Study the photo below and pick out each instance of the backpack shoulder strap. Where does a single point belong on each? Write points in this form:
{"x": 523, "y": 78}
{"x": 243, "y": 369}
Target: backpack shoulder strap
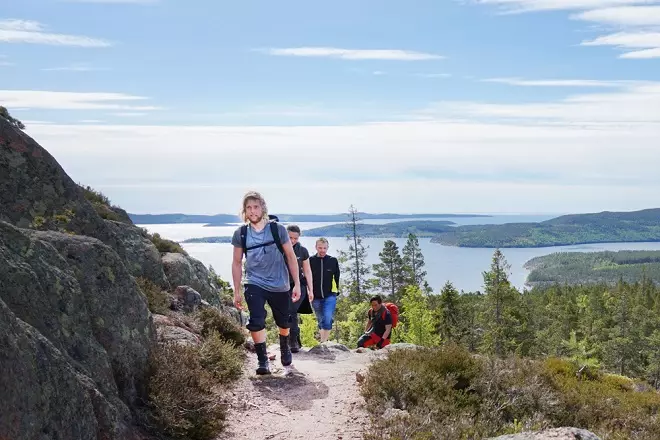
{"x": 244, "y": 239}
{"x": 276, "y": 236}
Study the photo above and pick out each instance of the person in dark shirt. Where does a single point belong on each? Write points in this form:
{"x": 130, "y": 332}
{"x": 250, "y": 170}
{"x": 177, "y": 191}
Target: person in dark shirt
{"x": 306, "y": 287}
{"x": 378, "y": 327}
{"x": 325, "y": 270}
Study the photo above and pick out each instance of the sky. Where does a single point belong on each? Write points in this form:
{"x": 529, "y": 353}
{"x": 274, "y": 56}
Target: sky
{"x": 466, "y": 106}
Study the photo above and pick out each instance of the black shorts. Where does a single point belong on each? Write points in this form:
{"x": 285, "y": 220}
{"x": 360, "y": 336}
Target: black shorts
{"x": 279, "y": 302}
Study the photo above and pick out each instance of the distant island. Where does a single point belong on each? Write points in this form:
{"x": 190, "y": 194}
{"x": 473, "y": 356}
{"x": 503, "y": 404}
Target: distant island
{"x": 223, "y": 240}
{"x": 593, "y": 267}
{"x": 603, "y": 227}
{"x": 421, "y": 228}
{"x": 225, "y": 219}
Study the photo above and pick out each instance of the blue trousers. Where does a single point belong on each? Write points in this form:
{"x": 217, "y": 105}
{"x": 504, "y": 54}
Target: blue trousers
{"x": 324, "y": 309}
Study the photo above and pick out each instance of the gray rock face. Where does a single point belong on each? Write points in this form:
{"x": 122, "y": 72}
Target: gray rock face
{"x": 83, "y": 331}
{"x": 135, "y": 248}
{"x": 168, "y": 331}
{"x": 182, "y": 270}
{"x": 552, "y": 434}
{"x": 33, "y": 187}
{"x": 187, "y": 298}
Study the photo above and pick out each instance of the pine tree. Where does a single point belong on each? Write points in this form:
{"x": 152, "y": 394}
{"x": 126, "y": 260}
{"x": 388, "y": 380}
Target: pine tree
{"x": 390, "y": 272}
{"x": 355, "y": 260}
{"x": 500, "y": 320}
{"x": 414, "y": 262}
{"x": 448, "y": 304}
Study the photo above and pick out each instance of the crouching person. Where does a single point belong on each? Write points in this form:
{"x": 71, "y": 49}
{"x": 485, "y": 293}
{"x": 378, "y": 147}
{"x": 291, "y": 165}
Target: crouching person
{"x": 378, "y": 327}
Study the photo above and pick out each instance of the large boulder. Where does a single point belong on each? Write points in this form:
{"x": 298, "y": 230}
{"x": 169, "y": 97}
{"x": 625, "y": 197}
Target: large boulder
{"x": 183, "y": 270}
{"x": 135, "y": 248}
{"x": 75, "y": 292}
{"x": 35, "y": 192}
{"x": 552, "y": 434}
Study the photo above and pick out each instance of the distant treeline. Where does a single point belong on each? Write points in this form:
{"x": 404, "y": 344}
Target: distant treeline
{"x": 223, "y": 219}
{"x": 605, "y": 227}
{"x": 594, "y": 267}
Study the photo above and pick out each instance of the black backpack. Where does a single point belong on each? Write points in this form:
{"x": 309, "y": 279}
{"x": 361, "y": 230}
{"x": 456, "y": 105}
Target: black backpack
{"x": 273, "y": 229}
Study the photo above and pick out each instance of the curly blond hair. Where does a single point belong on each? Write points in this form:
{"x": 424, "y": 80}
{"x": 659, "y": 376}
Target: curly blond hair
{"x": 253, "y": 195}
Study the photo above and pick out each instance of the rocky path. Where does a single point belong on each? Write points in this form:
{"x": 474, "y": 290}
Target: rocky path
{"x": 320, "y": 401}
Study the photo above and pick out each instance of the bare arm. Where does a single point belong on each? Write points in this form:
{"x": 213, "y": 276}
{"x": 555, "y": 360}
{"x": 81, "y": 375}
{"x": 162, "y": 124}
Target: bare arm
{"x": 388, "y": 329}
{"x": 237, "y": 275}
{"x": 307, "y": 270}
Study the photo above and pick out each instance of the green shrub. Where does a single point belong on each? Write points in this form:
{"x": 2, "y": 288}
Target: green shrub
{"x": 163, "y": 245}
{"x": 158, "y": 300}
{"x": 222, "y": 358}
{"x": 100, "y": 202}
{"x": 180, "y": 402}
{"x": 213, "y": 320}
{"x": 447, "y": 393}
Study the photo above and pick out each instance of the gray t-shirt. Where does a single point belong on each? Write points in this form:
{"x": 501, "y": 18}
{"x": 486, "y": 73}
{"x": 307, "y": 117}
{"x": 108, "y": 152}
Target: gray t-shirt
{"x": 266, "y": 266}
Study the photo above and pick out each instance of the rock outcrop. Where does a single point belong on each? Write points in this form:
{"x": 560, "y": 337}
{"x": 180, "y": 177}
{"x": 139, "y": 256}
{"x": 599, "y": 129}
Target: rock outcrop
{"x": 34, "y": 188}
{"x": 78, "y": 333}
{"x": 182, "y": 270}
{"x": 552, "y": 434}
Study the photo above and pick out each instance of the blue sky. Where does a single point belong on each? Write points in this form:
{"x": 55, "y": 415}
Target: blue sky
{"x": 467, "y": 106}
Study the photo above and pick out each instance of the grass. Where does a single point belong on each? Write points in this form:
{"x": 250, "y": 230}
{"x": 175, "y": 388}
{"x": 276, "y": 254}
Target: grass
{"x": 447, "y": 393}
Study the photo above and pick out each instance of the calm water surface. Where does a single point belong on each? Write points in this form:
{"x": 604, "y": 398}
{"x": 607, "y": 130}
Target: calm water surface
{"x": 462, "y": 266}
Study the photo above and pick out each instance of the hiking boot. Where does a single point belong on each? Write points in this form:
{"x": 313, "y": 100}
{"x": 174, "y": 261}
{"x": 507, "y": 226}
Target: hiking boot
{"x": 293, "y": 343}
{"x": 285, "y": 351}
{"x": 262, "y": 357}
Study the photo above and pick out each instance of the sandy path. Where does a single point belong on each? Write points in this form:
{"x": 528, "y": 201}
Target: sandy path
{"x": 321, "y": 401}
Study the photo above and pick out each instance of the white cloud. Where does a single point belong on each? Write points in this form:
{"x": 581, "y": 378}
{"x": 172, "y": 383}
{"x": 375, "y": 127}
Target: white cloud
{"x": 32, "y": 32}
{"x": 90, "y": 121}
{"x": 129, "y": 114}
{"x": 634, "y": 107}
{"x": 623, "y": 16}
{"x": 552, "y": 5}
{"x": 36, "y": 99}
{"x": 354, "y": 54}
{"x": 648, "y": 42}
{"x": 557, "y": 82}
{"x": 587, "y": 152}
{"x": 638, "y": 21}
{"x": 76, "y": 67}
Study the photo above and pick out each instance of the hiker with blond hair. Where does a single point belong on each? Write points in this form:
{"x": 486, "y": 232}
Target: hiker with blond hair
{"x": 269, "y": 261}
{"x": 325, "y": 273}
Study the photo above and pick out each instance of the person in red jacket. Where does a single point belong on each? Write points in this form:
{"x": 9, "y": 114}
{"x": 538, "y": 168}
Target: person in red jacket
{"x": 378, "y": 327}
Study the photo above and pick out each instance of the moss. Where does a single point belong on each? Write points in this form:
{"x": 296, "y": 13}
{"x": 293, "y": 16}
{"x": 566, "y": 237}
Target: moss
{"x": 163, "y": 245}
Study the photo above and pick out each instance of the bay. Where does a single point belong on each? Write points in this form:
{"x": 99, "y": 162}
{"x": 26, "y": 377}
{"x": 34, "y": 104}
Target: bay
{"x": 462, "y": 266}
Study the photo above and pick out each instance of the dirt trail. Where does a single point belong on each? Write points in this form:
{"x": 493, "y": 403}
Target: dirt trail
{"x": 320, "y": 401}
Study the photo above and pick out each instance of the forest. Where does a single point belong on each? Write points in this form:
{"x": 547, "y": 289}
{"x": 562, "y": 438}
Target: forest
{"x": 593, "y": 267}
{"x": 604, "y": 227}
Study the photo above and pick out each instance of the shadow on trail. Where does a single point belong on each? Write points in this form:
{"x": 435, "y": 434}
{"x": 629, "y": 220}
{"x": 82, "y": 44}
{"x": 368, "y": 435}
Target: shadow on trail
{"x": 295, "y": 392}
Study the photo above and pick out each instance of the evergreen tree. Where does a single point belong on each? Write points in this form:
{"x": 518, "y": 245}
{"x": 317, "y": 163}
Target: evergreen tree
{"x": 355, "y": 260}
{"x": 418, "y": 320}
{"x": 414, "y": 262}
{"x": 448, "y": 304}
{"x": 390, "y": 272}
{"x": 500, "y": 320}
